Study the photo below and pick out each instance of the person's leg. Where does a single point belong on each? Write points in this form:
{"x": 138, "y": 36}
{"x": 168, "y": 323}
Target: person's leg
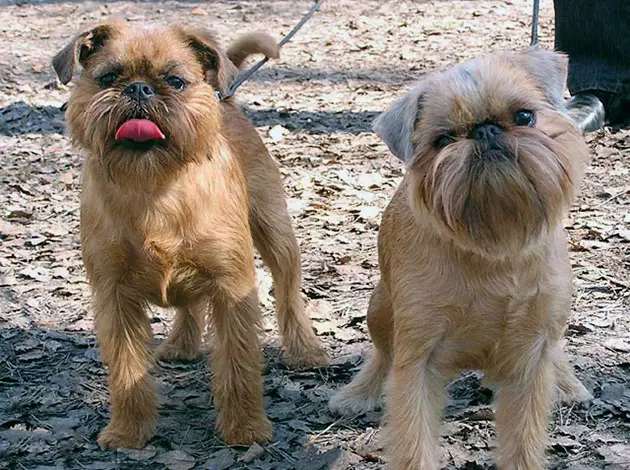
{"x": 594, "y": 35}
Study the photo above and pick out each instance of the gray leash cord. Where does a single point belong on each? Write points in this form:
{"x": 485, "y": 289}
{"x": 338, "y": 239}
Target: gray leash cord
{"x": 535, "y": 13}
{"x": 240, "y": 78}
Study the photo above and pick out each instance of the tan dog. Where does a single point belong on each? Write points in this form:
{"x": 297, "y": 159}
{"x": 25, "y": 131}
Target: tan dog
{"x": 178, "y": 189}
{"x": 474, "y": 266}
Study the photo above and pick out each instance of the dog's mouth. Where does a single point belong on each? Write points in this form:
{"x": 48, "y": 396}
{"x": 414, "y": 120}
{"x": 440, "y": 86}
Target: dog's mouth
{"x": 139, "y": 132}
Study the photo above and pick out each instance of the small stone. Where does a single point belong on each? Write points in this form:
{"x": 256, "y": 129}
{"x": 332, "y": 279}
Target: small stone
{"x": 278, "y": 132}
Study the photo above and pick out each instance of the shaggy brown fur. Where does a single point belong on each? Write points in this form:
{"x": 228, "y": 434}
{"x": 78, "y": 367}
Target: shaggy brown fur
{"x": 174, "y": 222}
{"x": 473, "y": 257}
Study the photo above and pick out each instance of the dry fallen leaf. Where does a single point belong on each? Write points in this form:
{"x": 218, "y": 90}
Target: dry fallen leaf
{"x": 618, "y": 344}
{"x": 140, "y": 454}
{"x": 369, "y": 212}
{"x": 177, "y": 460}
{"x": 616, "y": 454}
{"x": 254, "y": 452}
{"x": 38, "y": 273}
{"x": 199, "y": 12}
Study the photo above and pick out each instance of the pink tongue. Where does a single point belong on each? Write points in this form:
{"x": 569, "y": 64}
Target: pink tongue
{"x": 139, "y": 130}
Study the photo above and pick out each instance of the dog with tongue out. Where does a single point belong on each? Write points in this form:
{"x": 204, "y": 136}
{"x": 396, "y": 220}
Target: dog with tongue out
{"x": 178, "y": 189}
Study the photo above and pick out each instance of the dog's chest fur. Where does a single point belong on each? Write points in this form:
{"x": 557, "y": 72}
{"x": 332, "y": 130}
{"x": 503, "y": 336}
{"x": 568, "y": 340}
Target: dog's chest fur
{"x": 170, "y": 247}
{"x": 474, "y": 304}
{"x": 168, "y": 275}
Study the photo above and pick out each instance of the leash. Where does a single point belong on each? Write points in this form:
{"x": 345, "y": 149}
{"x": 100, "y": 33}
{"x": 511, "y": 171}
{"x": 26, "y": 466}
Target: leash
{"x": 535, "y": 13}
{"x": 243, "y": 76}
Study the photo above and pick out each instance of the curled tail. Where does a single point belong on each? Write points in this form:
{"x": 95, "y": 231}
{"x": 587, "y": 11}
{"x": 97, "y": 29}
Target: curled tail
{"x": 252, "y": 43}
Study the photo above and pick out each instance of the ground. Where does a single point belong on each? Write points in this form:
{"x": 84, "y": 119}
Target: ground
{"x": 313, "y": 108}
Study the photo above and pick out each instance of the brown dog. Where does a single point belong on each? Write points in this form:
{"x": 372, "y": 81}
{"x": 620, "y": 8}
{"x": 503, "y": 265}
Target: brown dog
{"x": 178, "y": 189}
{"x": 474, "y": 266}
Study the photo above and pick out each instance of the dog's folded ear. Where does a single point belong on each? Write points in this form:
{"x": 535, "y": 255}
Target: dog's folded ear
{"x": 549, "y": 70}
{"x": 81, "y": 48}
{"x": 396, "y": 125}
{"x": 219, "y": 70}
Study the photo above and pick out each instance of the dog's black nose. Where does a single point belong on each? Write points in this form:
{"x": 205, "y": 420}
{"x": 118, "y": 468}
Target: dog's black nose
{"x": 140, "y": 91}
{"x": 486, "y": 133}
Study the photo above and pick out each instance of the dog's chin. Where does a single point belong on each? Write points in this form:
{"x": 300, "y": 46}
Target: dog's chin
{"x": 497, "y": 203}
{"x": 151, "y": 162}
{"x": 139, "y": 148}
{"x": 131, "y": 163}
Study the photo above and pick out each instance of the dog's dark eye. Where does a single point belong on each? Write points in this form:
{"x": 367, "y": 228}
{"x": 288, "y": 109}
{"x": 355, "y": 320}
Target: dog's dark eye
{"x": 525, "y": 118}
{"x": 176, "y": 83}
{"x": 107, "y": 80}
{"x": 443, "y": 141}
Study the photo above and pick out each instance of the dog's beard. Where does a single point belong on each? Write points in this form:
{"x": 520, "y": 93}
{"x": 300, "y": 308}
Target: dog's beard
{"x": 496, "y": 201}
{"x": 188, "y": 128}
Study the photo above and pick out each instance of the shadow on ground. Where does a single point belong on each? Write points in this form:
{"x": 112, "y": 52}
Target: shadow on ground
{"x": 54, "y": 401}
{"x": 318, "y": 122}
{"x": 20, "y": 118}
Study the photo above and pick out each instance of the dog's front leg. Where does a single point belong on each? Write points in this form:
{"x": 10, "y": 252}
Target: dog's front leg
{"x": 123, "y": 331}
{"x": 415, "y": 398}
{"x": 237, "y": 363}
{"x": 523, "y": 408}
{"x": 526, "y": 389}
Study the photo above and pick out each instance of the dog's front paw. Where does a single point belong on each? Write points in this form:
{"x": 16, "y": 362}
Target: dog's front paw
{"x": 134, "y": 436}
{"x": 257, "y": 430}
{"x": 348, "y": 402}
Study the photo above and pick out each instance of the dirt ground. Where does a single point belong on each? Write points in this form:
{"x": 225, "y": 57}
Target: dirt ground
{"x": 313, "y": 108}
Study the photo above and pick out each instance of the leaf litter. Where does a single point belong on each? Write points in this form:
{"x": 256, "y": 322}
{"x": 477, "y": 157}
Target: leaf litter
{"x": 313, "y": 108}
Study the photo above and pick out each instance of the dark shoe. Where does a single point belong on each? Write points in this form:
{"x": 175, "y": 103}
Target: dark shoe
{"x": 587, "y": 110}
{"x": 618, "y": 107}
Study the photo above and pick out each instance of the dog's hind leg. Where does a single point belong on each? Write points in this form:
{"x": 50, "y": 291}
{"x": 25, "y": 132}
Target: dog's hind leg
{"x": 184, "y": 341}
{"x": 364, "y": 392}
{"x": 568, "y": 386}
{"x": 275, "y": 241}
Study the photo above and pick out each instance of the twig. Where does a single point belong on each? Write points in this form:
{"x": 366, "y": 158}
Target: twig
{"x": 621, "y": 193}
{"x": 314, "y": 438}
